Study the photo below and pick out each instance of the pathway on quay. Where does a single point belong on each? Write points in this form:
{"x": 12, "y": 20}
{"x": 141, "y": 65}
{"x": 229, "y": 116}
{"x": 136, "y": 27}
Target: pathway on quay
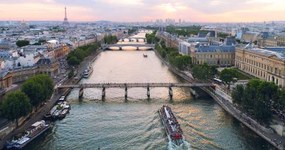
{"x": 262, "y": 131}
{"x": 268, "y": 134}
{"x": 50, "y": 103}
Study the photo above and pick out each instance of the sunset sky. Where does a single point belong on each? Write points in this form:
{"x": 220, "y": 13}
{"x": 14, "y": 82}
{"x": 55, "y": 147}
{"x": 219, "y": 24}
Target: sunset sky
{"x": 144, "y": 10}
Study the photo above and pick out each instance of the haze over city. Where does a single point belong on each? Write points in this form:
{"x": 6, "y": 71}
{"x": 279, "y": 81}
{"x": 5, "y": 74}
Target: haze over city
{"x": 144, "y": 10}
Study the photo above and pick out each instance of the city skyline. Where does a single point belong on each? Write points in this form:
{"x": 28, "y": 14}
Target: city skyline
{"x": 144, "y": 10}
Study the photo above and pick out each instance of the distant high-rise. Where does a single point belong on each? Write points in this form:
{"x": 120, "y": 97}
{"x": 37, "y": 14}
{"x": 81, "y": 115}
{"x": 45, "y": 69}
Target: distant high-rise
{"x": 65, "y": 21}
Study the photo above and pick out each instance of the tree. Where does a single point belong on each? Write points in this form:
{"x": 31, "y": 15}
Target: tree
{"x": 236, "y": 94}
{"x": 35, "y": 92}
{"x": 262, "y": 111}
{"x": 75, "y": 57}
{"x": 46, "y": 83}
{"x": 223, "y": 35}
{"x": 131, "y": 31}
{"x": 21, "y": 43}
{"x": 183, "y": 31}
{"x": 203, "y": 72}
{"x": 182, "y": 61}
{"x": 16, "y": 105}
{"x": 150, "y": 38}
{"x": 257, "y": 99}
{"x": 110, "y": 39}
{"x": 73, "y": 61}
{"x": 279, "y": 102}
{"x": 38, "y": 88}
{"x": 227, "y": 75}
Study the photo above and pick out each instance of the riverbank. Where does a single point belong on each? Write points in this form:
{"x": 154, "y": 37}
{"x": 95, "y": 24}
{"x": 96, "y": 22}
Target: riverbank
{"x": 51, "y": 102}
{"x": 262, "y": 131}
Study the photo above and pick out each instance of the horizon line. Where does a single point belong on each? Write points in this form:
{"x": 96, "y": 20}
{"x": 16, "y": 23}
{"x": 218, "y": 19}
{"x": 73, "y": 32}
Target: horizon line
{"x": 14, "y": 20}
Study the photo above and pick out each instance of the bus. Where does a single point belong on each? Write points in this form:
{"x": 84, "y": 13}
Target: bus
{"x": 218, "y": 81}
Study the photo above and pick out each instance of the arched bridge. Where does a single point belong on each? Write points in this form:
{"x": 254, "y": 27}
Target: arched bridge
{"x": 132, "y": 85}
{"x": 136, "y": 46}
{"x": 131, "y": 39}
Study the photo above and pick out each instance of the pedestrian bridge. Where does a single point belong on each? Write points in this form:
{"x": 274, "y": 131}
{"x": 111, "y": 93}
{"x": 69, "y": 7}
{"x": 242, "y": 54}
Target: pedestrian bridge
{"x": 136, "y": 46}
{"x": 131, "y": 85}
{"x": 134, "y": 85}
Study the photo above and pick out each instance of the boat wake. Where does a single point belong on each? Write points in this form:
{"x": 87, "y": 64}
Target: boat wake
{"x": 184, "y": 146}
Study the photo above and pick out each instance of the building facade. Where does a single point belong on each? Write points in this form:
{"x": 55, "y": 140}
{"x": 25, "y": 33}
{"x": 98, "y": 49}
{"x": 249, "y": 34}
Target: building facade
{"x": 22, "y": 74}
{"x": 43, "y": 66}
{"x": 267, "y": 64}
{"x": 48, "y": 66}
{"x": 61, "y": 51}
{"x": 5, "y": 79}
{"x": 271, "y": 42}
{"x": 221, "y": 56}
{"x": 184, "y": 48}
{"x": 170, "y": 40}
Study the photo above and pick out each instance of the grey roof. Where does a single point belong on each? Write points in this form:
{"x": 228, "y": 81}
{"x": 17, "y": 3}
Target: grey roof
{"x": 4, "y": 54}
{"x": 272, "y": 51}
{"x": 264, "y": 35}
{"x": 230, "y": 41}
{"x": 44, "y": 61}
{"x": 4, "y": 42}
{"x": 3, "y": 73}
{"x": 213, "y": 48}
{"x": 197, "y": 39}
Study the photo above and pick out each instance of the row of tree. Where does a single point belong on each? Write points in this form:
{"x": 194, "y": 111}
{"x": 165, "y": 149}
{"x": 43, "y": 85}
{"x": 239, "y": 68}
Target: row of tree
{"x": 182, "y": 62}
{"x": 260, "y": 99}
{"x": 131, "y": 31}
{"x": 21, "y": 43}
{"x": 151, "y": 38}
{"x": 183, "y": 31}
{"x": 110, "y": 39}
{"x": 34, "y": 92}
{"x": 76, "y": 56}
{"x": 223, "y": 35}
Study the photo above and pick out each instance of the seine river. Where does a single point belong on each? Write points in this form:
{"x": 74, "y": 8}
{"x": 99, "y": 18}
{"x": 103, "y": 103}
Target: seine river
{"x": 134, "y": 124}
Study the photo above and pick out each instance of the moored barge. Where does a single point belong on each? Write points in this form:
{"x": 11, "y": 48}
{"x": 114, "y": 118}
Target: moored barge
{"x": 33, "y": 132}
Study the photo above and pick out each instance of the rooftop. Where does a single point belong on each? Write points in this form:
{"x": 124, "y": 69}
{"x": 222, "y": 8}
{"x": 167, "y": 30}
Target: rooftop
{"x": 270, "y": 51}
{"x": 214, "y": 48}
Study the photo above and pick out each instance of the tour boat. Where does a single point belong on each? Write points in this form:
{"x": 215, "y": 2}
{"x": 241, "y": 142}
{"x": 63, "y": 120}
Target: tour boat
{"x": 33, "y": 132}
{"x": 172, "y": 127}
{"x": 144, "y": 55}
{"x": 87, "y": 72}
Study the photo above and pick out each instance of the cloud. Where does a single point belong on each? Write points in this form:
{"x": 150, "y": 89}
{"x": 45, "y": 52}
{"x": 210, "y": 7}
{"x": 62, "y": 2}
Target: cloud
{"x": 142, "y": 10}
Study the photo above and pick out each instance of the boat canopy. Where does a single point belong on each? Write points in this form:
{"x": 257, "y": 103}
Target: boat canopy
{"x": 38, "y": 123}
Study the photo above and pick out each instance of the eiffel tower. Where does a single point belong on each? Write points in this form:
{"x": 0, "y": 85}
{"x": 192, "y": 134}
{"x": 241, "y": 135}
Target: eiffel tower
{"x": 65, "y": 21}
